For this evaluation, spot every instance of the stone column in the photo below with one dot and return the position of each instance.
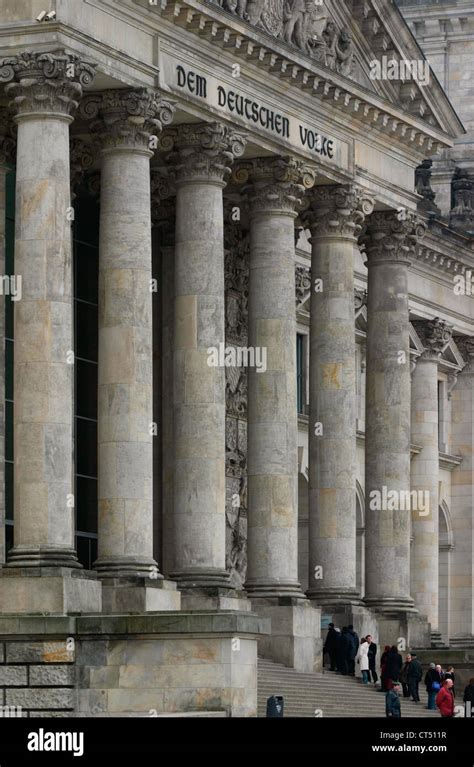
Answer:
(127, 119)
(45, 93)
(389, 242)
(334, 218)
(462, 501)
(425, 470)
(204, 153)
(276, 186)
(45, 90)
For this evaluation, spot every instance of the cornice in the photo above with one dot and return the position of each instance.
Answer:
(238, 37)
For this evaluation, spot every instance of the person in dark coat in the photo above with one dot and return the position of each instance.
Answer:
(404, 676)
(330, 646)
(393, 664)
(433, 683)
(392, 701)
(353, 651)
(372, 657)
(451, 675)
(414, 675)
(344, 647)
(468, 699)
(383, 666)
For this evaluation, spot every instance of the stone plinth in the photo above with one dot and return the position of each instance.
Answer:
(295, 638)
(142, 595)
(49, 590)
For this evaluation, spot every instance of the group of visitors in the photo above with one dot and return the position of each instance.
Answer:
(398, 676)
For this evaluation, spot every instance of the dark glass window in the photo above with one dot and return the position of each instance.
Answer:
(9, 351)
(300, 393)
(86, 265)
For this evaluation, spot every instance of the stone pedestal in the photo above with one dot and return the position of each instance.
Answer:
(49, 590)
(132, 595)
(295, 633)
(335, 217)
(387, 443)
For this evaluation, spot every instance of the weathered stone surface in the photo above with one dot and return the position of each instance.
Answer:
(13, 676)
(31, 698)
(51, 675)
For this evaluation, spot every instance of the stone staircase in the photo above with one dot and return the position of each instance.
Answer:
(332, 694)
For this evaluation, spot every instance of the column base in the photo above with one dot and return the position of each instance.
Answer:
(126, 567)
(295, 636)
(202, 579)
(274, 590)
(390, 604)
(437, 640)
(332, 597)
(139, 595)
(49, 590)
(42, 556)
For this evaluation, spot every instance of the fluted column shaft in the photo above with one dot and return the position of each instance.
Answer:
(425, 470)
(126, 120)
(335, 217)
(204, 154)
(387, 441)
(276, 186)
(45, 89)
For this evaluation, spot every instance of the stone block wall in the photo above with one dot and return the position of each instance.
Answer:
(130, 665)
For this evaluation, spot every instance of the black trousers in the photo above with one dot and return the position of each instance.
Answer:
(333, 659)
(373, 671)
(351, 666)
(413, 688)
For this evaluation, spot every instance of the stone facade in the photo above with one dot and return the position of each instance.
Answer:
(259, 195)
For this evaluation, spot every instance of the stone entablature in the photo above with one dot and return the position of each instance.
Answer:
(238, 37)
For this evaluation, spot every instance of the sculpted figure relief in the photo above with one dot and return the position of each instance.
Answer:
(301, 23)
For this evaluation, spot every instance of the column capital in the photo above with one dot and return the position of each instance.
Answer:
(435, 335)
(202, 151)
(391, 236)
(275, 184)
(127, 119)
(337, 210)
(45, 83)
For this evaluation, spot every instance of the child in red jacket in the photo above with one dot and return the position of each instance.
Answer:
(445, 699)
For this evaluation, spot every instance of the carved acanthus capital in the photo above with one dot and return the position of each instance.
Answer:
(82, 160)
(435, 335)
(275, 184)
(337, 210)
(392, 236)
(465, 345)
(43, 83)
(127, 119)
(7, 139)
(202, 151)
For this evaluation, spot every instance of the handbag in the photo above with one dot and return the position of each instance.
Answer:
(435, 686)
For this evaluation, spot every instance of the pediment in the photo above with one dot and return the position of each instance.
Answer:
(352, 39)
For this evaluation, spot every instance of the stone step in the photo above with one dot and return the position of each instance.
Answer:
(335, 695)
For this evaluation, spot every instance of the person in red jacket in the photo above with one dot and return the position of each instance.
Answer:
(445, 699)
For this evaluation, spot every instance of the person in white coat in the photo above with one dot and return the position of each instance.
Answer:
(363, 660)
